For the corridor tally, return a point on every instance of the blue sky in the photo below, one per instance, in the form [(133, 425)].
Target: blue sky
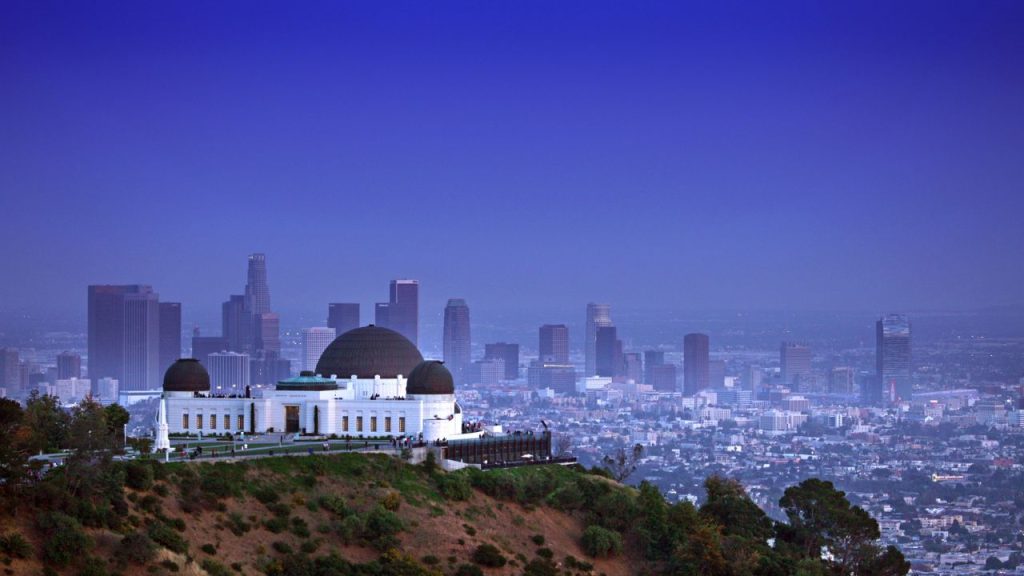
[(522, 155)]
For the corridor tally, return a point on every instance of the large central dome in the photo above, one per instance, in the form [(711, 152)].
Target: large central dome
[(368, 352)]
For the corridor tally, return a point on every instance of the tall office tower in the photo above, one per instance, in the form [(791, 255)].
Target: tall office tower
[(608, 351), (402, 312), (598, 316), (124, 335), (141, 342), (695, 363), (69, 365), (266, 332), (632, 366), (754, 376), (257, 292), (229, 372), (380, 314), (795, 360), (554, 343), (841, 380), (203, 346), (314, 342), (456, 341), (509, 353), (663, 377), (893, 358), (342, 316), (236, 324), (652, 358), (170, 334), (10, 371)]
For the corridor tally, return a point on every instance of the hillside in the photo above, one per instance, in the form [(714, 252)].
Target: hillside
[(376, 515)]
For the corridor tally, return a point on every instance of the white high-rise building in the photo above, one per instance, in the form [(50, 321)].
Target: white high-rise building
[(107, 390), (314, 342), (598, 316), (229, 373)]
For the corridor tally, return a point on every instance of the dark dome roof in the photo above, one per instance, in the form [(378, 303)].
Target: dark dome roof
[(186, 375), (430, 377), (367, 352)]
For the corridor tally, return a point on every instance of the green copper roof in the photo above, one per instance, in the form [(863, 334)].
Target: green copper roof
[(307, 381)]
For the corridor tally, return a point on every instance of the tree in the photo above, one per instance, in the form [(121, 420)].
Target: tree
[(598, 542), (13, 455), (47, 423), (730, 507), (91, 445), (622, 464), (117, 418), (821, 519)]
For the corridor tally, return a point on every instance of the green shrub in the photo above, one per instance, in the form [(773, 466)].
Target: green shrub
[(282, 547), (598, 541), (391, 501), (138, 475), (65, 539), (93, 566), (137, 548), (150, 503), (209, 549), (276, 524), (15, 545), (334, 503), (309, 546), (160, 489), (430, 560), (214, 568), (469, 529), (351, 529), (280, 509), (540, 567), (538, 539), (299, 527), (381, 522), (469, 570), (488, 555), (167, 537), (265, 494), (545, 553), (237, 524), (170, 565), (222, 480), (454, 486)]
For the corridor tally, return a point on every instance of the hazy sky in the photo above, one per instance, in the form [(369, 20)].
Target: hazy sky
[(756, 155)]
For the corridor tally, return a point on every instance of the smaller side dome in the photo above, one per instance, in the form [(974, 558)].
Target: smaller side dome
[(186, 375), (430, 377)]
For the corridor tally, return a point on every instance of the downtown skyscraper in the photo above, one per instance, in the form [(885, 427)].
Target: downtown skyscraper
[(696, 363), (314, 342), (893, 361), (598, 316), (170, 334), (124, 335), (247, 321), (342, 316), (456, 341), (795, 363), (401, 312), (554, 343)]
